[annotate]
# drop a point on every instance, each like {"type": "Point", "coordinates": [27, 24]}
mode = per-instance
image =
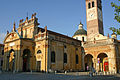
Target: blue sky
{"type": "Point", "coordinates": [61, 16]}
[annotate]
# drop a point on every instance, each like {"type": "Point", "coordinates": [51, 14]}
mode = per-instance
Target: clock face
{"type": "Point", "coordinates": [100, 15]}
{"type": "Point", "coordinates": [91, 14]}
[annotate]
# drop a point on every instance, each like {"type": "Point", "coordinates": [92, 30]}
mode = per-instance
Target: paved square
{"type": "Point", "coordinates": [43, 76]}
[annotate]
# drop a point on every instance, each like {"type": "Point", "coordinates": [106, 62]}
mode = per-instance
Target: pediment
{"type": "Point", "coordinates": [11, 36]}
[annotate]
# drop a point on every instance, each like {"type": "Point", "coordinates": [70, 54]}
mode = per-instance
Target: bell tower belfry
{"type": "Point", "coordinates": [94, 18]}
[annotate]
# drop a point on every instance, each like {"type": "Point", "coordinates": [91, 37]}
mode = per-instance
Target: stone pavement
{"type": "Point", "coordinates": [51, 76]}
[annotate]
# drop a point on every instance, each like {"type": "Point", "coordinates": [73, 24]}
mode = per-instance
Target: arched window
{"type": "Point", "coordinates": [93, 4]}
{"type": "Point", "coordinates": [39, 52]}
{"type": "Point", "coordinates": [89, 5]}
{"type": "Point", "coordinates": [52, 57]}
{"type": "Point", "coordinates": [76, 59]}
{"type": "Point", "coordinates": [65, 58]}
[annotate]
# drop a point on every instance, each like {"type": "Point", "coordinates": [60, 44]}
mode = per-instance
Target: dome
{"type": "Point", "coordinates": [80, 32]}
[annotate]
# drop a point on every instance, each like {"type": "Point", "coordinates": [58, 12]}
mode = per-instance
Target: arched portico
{"type": "Point", "coordinates": [102, 62]}
{"type": "Point", "coordinates": [88, 60]}
{"type": "Point", "coordinates": [26, 60]}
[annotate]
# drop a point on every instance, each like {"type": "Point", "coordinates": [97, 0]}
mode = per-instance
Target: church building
{"type": "Point", "coordinates": [32, 48]}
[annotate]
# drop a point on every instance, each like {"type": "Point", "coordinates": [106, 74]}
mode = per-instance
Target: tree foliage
{"type": "Point", "coordinates": [117, 17]}
{"type": "Point", "coordinates": [114, 30]}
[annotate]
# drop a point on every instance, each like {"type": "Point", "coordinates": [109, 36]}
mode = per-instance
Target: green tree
{"type": "Point", "coordinates": [117, 17]}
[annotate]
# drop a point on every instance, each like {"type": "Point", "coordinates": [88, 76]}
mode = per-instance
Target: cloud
{"type": "Point", "coordinates": [2, 37]}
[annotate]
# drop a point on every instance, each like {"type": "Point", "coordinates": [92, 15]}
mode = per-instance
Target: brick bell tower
{"type": "Point", "coordinates": [94, 18]}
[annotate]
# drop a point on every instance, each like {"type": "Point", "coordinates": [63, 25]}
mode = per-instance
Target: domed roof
{"type": "Point", "coordinates": [80, 32]}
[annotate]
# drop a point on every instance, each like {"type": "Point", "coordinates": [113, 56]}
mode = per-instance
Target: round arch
{"type": "Point", "coordinates": [88, 60]}
{"type": "Point", "coordinates": [11, 60]}
{"type": "Point", "coordinates": [102, 55]}
{"type": "Point", "coordinates": [103, 63]}
{"type": "Point", "coordinates": [26, 59]}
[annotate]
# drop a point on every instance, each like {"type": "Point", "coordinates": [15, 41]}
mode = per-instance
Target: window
{"type": "Point", "coordinates": [76, 59]}
{"type": "Point", "coordinates": [39, 52]}
{"type": "Point", "coordinates": [83, 39]}
{"type": "Point", "coordinates": [65, 58]}
{"type": "Point", "coordinates": [2, 52]}
{"type": "Point", "coordinates": [52, 57]}
{"type": "Point", "coordinates": [93, 4]}
{"type": "Point", "coordinates": [89, 5]}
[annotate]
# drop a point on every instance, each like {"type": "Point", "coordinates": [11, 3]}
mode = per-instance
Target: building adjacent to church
{"type": "Point", "coordinates": [99, 51]}
{"type": "Point", "coordinates": [1, 55]}
{"type": "Point", "coordinates": [38, 49]}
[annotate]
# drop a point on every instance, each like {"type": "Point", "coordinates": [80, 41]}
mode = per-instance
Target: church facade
{"type": "Point", "coordinates": [31, 48]}
{"type": "Point", "coordinates": [37, 49]}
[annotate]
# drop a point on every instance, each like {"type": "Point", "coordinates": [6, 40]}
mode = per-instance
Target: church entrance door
{"type": "Point", "coordinates": [26, 60]}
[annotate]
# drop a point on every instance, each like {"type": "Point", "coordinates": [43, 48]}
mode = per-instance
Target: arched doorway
{"type": "Point", "coordinates": [88, 62]}
{"type": "Point", "coordinates": [11, 60]}
{"type": "Point", "coordinates": [26, 60]}
{"type": "Point", "coordinates": [103, 63]}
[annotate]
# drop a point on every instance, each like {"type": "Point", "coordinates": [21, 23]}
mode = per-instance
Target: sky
{"type": "Point", "coordinates": [62, 16]}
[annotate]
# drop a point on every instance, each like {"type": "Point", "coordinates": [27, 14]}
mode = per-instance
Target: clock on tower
{"type": "Point", "coordinates": [94, 18]}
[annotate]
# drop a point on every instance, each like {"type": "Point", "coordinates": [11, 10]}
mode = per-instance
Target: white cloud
{"type": "Point", "coordinates": [2, 37]}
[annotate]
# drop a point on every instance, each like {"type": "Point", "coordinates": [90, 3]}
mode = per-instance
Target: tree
{"type": "Point", "coordinates": [117, 17]}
